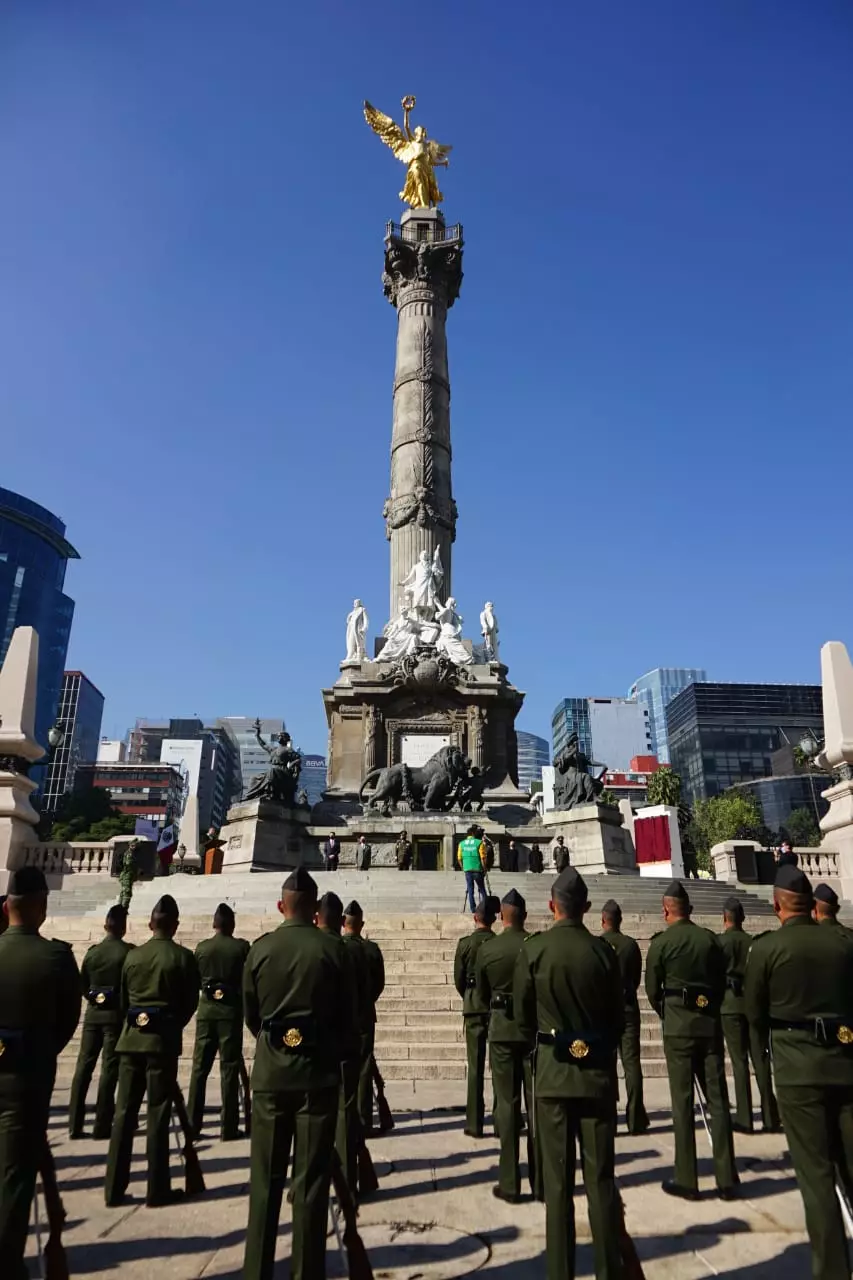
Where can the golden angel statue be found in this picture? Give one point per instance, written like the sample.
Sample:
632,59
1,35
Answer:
415,149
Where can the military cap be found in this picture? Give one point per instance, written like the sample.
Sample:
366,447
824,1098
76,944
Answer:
823,893
734,905
485,910
611,908
26,880
225,909
792,879
330,901
675,889
166,906
513,899
569,886
353,909
299,881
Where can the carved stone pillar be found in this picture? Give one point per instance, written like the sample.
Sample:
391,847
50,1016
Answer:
477,736
423,272
372,730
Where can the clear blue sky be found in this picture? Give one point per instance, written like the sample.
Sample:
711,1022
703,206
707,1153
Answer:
650,358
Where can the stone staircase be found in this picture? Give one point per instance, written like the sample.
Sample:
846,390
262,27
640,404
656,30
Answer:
417,919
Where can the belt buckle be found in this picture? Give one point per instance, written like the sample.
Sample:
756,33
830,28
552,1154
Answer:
579,1049
101,998
845,1034
292,1038
701,1002
2,1048
218,993
142,1019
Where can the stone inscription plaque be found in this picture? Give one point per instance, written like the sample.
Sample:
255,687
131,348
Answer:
416,748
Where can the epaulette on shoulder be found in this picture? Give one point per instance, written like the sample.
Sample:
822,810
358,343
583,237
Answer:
659,934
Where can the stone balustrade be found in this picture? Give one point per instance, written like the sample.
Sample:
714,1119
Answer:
818,864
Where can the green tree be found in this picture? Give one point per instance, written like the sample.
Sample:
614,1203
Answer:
607,797
801,828
664,787
733,815
87,815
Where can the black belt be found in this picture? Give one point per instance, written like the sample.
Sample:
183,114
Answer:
294,1034
471,981
149,1018
218,990
102,997
581,1046
699,999
735,985
828,1029
501,1003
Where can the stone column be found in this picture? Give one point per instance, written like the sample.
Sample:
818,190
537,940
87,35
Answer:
423,272
372,729
18,748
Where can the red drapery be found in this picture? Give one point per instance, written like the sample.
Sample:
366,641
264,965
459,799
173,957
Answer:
651,839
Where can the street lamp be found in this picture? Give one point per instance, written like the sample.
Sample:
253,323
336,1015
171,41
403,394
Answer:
56,736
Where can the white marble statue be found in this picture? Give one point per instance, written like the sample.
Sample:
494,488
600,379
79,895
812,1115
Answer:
357,624
489,631
424,581
401,636
450,637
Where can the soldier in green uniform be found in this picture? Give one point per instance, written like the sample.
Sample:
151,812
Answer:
219,1023
685,983
741,1042
509,1048
799,989
349,1136
826,907
159,995
568,999
101,974
39,1009
354,925
630,963
296,995
475,1014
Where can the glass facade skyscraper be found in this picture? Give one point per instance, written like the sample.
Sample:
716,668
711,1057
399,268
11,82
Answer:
571,716
34,553
313,777
533,755
251,759
81,708
720,734
655,690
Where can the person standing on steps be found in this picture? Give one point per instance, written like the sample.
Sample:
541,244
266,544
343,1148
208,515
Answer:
365,1008
742,1041
363,854
39,1010
559,855
331,852
471,858
219,1024
535,859
101,978
348,1135
685,983
159,995
509,1048
403,850
512,856
630,963
475,1013
568,998
354,924
799,991
298,1003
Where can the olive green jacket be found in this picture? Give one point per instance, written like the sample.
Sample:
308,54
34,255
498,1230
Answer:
40,1001
365,1010
464,971
630,961
158,975
220,961
799,972
689,962
103,965
377,970
297,976
354,973
493,976
567,984
735,944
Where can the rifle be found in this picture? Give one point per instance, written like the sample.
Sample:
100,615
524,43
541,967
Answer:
386,1120
631,1265
247,1098
193,1176
358,1263
367,1179
55,1261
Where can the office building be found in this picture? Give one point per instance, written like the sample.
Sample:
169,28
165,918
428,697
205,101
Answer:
34,553
655,690
610,730
780,796
151,791
145,741
632,783
205,760
533,755
250,759
721,734
81,708
111,751
313,777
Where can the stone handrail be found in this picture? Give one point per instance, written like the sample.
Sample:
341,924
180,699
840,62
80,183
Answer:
818,864
71,858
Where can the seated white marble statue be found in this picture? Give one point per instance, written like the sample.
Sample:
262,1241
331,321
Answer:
450,637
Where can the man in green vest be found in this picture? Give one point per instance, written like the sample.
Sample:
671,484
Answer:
630,963
685,983
39,1010
219,1023
568,999
799,990
354,926
475,1013
101,975
349,1136
742,1042
509,1047
159,995
826,907
298,1003
471,858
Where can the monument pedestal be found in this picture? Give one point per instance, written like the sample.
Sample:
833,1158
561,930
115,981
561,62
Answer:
262,835
596,838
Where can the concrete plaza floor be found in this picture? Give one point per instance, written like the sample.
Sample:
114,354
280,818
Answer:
434,1216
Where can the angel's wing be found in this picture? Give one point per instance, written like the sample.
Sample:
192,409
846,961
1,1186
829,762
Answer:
390,133
439,151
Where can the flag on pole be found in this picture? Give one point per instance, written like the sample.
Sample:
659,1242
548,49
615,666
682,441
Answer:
147,830
166,846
